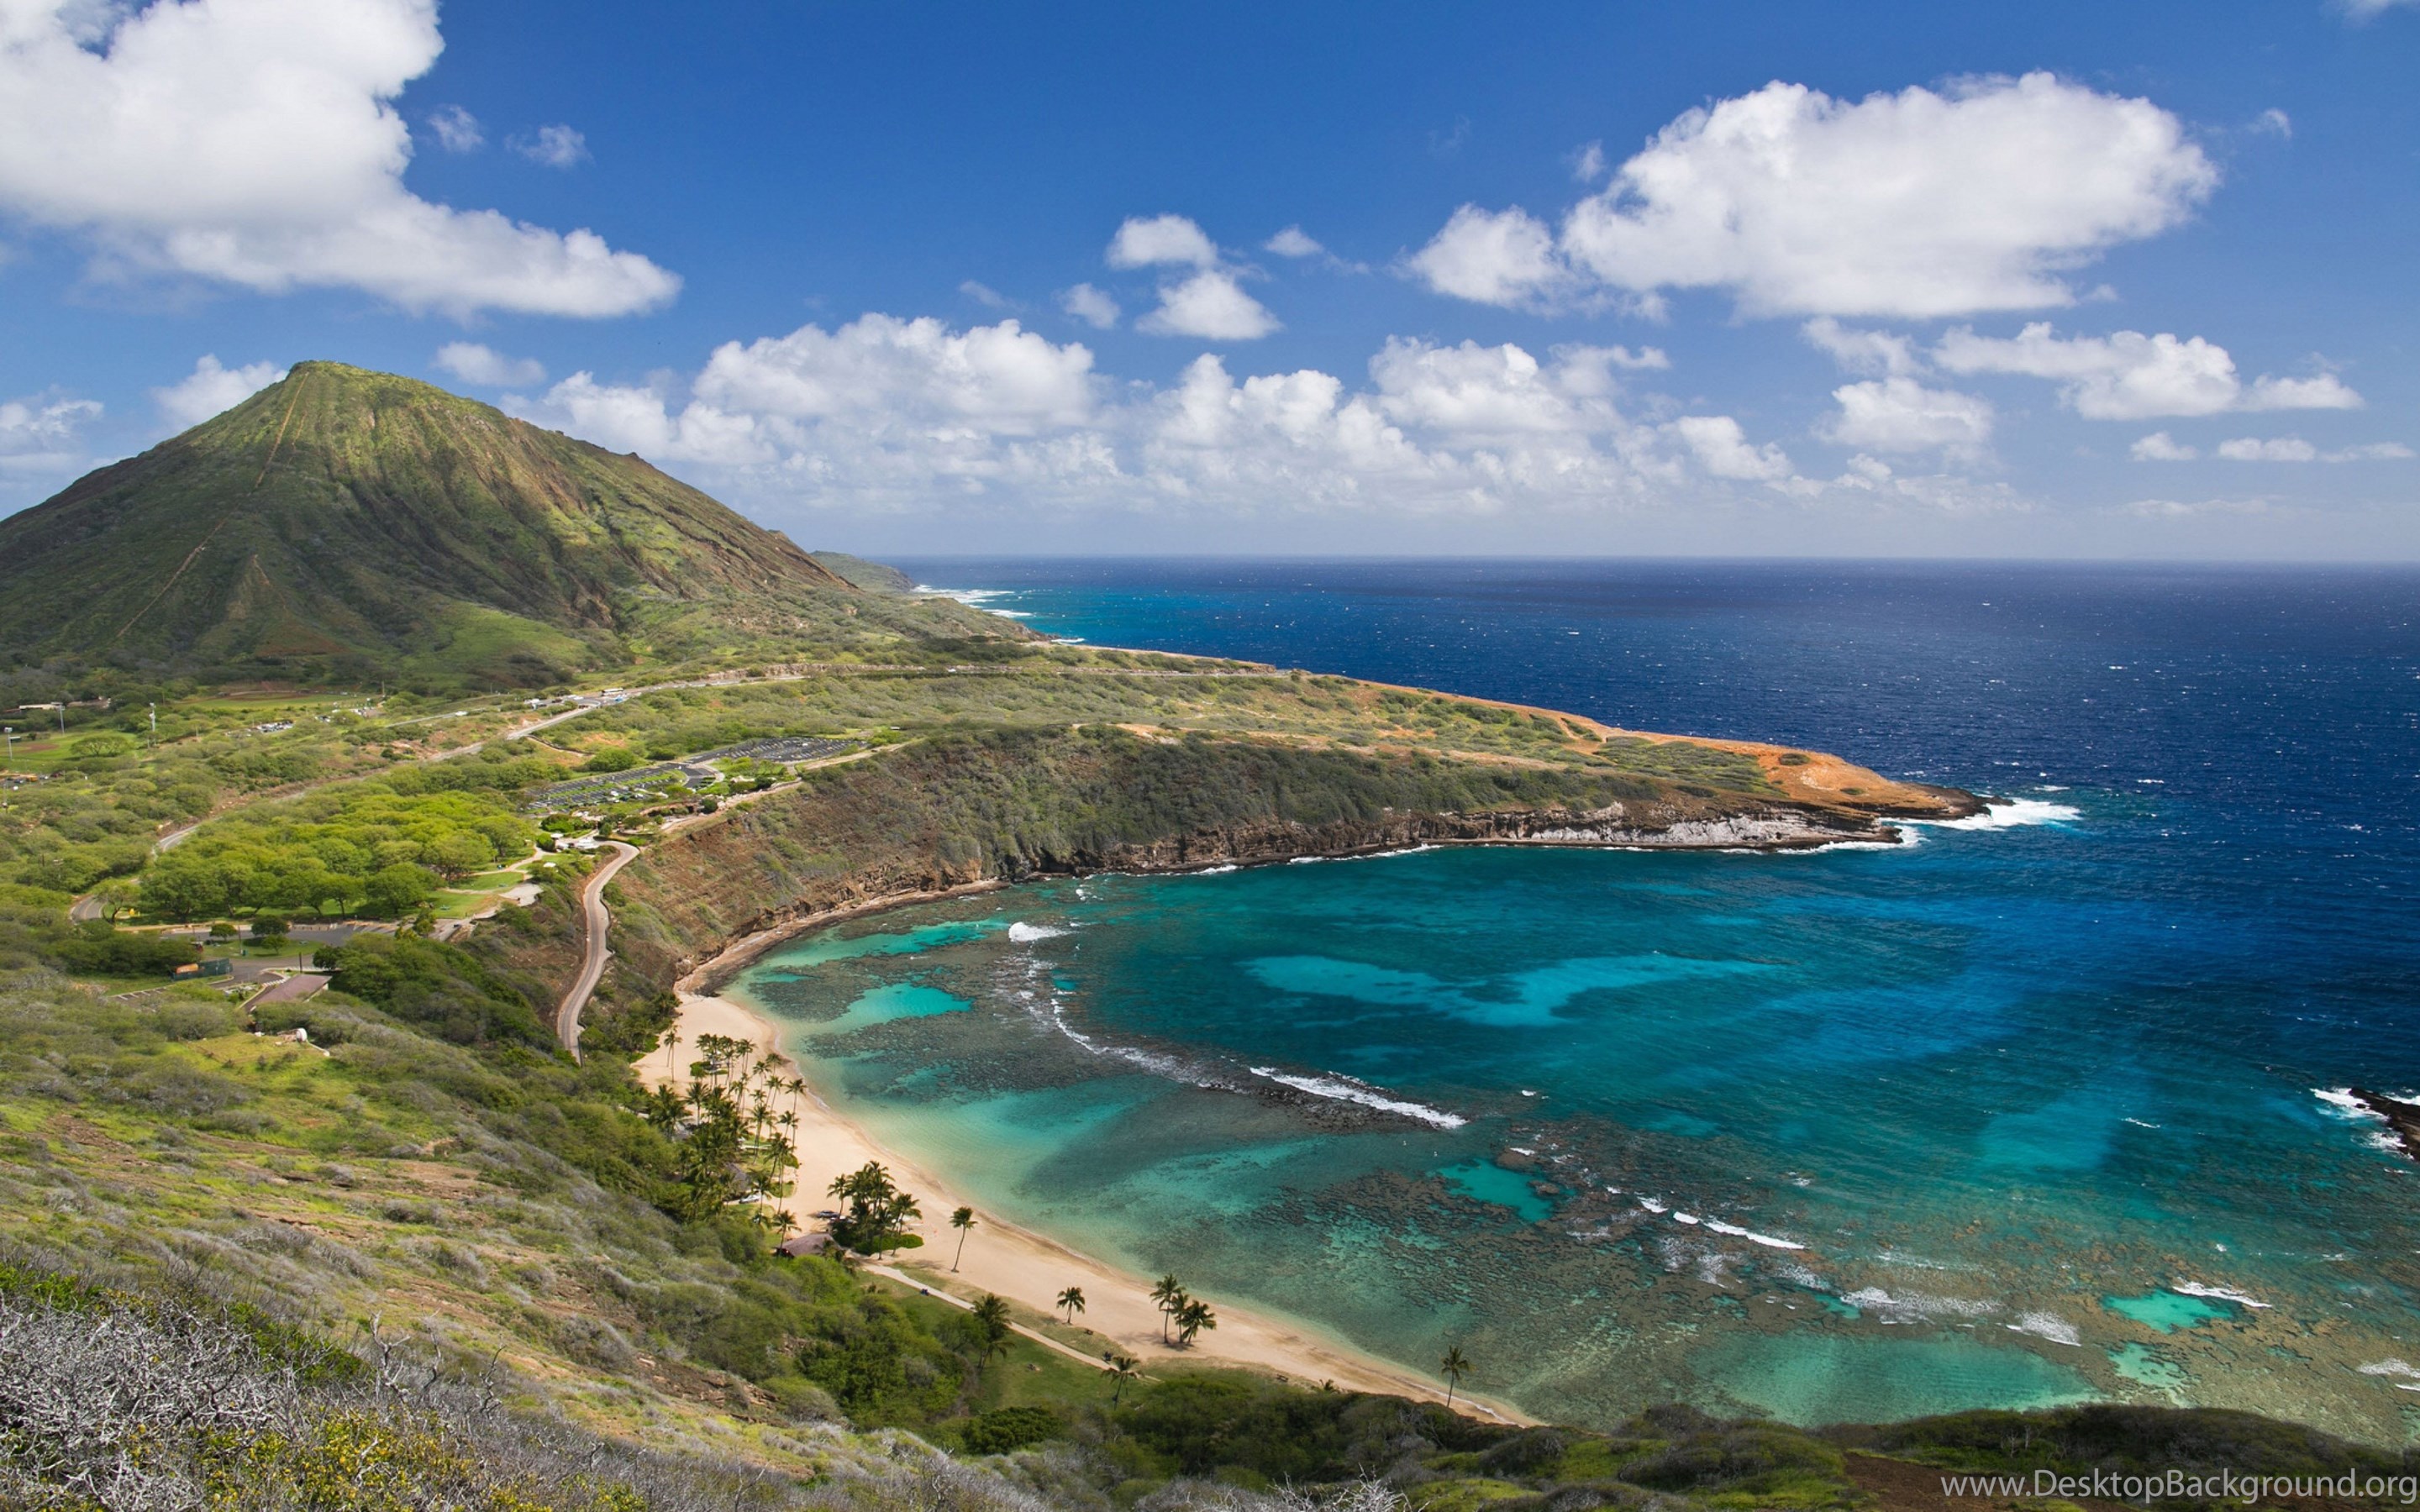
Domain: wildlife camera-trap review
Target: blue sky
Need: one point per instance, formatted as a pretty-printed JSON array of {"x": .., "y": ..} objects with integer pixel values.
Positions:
[{"x": 2042, "y": 281}]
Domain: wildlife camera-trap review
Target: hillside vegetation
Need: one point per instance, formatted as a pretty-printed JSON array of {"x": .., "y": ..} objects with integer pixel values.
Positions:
[{"x": 344, "y": 525}]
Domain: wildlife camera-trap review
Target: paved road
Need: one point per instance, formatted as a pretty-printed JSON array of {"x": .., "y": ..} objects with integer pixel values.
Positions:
[{"x": 592, "y": 902}]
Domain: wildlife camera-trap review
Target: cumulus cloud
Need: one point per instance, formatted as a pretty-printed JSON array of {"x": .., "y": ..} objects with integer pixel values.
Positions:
[
  {"x": 985, "y": 295},
  {"x": 1092, "y": 306},
  {"x": 1863, "y": 352},
  {"x": 1159, "y": 239},
  {"x": 1211, "y": 305},
  {"x": 2281, "y": 448},
  {"x": 487, "y": 367},
  {"x": 1293, "y": 242},
  {"x": 2160, "y": 446},
  {"x": 42, "y": 434},
  {"x": 210, "y": 390},
  {"x": 1983, "y": 195},
  {"x": 1722, "y": 448},
  {"x": 1503, "y": 258},
  {"x": 885, "y": 414},
  {"x": 256, "y": 143},
  {"x": 1210, "y": 302},
  {"x": 1589, "y": 162},
  {"x": 2129, "y": 375},
  {"x": 1898, "y": 414},
  {"x": 555, "y": 146},
  {"x": 456, "y": 129}
]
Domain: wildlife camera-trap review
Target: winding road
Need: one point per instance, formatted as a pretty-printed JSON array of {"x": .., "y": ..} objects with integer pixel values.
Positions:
[{"x": 594, "y": 920}]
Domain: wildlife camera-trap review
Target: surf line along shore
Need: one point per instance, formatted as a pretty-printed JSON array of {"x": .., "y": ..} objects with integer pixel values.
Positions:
[{"x": 1017, "y": 1263}]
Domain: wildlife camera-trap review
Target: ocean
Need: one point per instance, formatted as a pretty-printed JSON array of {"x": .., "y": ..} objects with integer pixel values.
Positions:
[{"x": 2044, "y": 1108}]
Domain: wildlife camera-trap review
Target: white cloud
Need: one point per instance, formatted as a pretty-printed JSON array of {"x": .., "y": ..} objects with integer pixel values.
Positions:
[
  {"x": 2275, "y": 122},
  {"x": 556, "y": 146},
  {"x": 1723, "y": 450},
  {"x": 210, "y": 390},
  {"x": 487, "y": 367},
  {"x": 1210, "y": 305},
  {"x": 2325, "y": 392},
  {"x": 1142, "y": 243},
  {"x": 257, "y": 143},
  {"x": 1209, "y": 302},
  {"x": 890, "y": 415},
  {"x": 2160, "y": 446},
  {"x": 1898, "y": 414},
  {"x": 43, "y": 433},
  {"x": 1588, "y": 164},
  {"x": 2129, "y": 375},
  {"x": 2282, "y": 448},
  {"x": 1092, "y": 306},
  {"x": 1503, "y": 258},
  {"x": 458, "y": 129},
  {"x": 1981, "y": 196},
  {"x": 1863, "y": 352},
  {"x": 1293, "y": 242},
  {"x": 2366, "y": 9},
  {"x": 985, "y": 295},
  {"x": 2295, "y": 449}
]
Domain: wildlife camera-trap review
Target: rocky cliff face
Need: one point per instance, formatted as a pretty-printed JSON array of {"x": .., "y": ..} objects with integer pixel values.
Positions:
[{"x": 922, "y": 822}]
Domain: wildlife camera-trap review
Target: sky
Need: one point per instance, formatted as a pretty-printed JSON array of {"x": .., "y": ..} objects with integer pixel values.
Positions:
[{"x": 2049, "y": 280}]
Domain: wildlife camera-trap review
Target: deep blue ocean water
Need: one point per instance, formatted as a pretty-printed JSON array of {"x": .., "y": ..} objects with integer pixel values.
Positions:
[{"x": 2028, "y": 1111}]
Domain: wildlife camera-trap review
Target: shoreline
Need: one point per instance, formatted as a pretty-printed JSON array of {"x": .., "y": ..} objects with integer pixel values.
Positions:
[{"x": 1021, "y": 1264}]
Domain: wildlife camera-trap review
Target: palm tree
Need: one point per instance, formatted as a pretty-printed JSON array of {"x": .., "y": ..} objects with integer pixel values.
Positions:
[
  {"x": 964, "y": 1222},
  {"x": 1169, "y": 1296},
  {"x": 1073, "y": 1300},
  {"x": 1191, "y": 1319},
  {"x": 1122, "y": 1369},
  {"x": 991, "y": 1313},
  {"x": 1455, "y": 1367}
]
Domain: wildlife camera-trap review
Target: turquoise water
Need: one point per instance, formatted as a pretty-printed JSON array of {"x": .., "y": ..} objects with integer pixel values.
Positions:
[{"x": 2026, "y": 1112}]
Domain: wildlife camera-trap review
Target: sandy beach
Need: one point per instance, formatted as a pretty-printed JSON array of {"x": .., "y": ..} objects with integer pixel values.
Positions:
[{"x": 1028, "y": 1267}]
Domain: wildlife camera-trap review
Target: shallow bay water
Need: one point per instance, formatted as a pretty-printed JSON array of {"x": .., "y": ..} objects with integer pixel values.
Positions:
[{"x": 2024, "y": 1112}]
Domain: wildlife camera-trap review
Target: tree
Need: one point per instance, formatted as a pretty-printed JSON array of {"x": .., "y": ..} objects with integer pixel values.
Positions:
[
  {"x": 1169, "y": 1296},
  {"x": 1192, "y": 1317},
  {"x": 878, "y": 1213},
  {"x": 393, "y": 892},
  {"x": 1073, "y": 1300},
  {"x": 964, "y": 1222},
  {"x": 1122, "y": 1369},
  {"x": 1454, "y": 1368},
  {"x": 460, "y": 853},
  {"x": 991, "y": 1316}
]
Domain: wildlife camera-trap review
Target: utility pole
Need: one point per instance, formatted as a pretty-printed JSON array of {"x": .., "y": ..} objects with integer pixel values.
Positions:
[{"x": 155, "y": 725}]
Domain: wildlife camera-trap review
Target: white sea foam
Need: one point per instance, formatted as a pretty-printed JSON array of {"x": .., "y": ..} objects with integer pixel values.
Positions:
[
  {"x": 1343, "y": 1090},
  {"x": 2342, "y": 1103},
  {"x": 2389, "y": 1368},
  {"x": 1768, "y": 1241},
  {"x": 2008, "y": 813},
  {"x": 2047, "y": 1326},
  {"x": 1215, "y": 871},
  {"x": 1916, "y": 1305},
  {"x": 1690, "y": 1218},
  {"x": 1653, "y": 1206},
  {"x": 2195, "y": 1288},
  {"x": 1025, "y": 933}
]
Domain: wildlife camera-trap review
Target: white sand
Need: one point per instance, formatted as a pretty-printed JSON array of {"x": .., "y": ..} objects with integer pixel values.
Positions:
[{"x": 1027, "y": 1267}]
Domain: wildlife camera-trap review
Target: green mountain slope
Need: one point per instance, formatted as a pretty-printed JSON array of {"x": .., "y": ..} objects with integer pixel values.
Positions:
[{"x": 344, "y": 523}]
